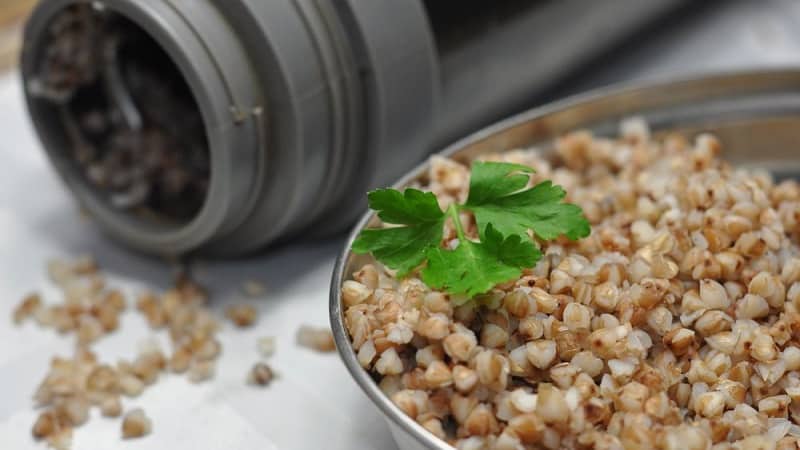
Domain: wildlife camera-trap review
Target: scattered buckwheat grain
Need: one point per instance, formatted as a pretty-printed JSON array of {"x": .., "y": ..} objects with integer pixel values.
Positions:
[
  {"x": 260, "y": 375},
  {"x": 243, "y": 315},
  {"x": 27, "y": 308},
  {"x": 201, "y": 370},
  {"x": 319, "y": 339},
  {"x": 266, "y": 346},
  {"x": 136, "y": 424}
]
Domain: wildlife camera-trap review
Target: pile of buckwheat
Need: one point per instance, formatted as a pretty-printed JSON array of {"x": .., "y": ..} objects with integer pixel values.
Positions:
[
  {"x": 91, "y": 309},
  {"x": 675, "y": 325}
]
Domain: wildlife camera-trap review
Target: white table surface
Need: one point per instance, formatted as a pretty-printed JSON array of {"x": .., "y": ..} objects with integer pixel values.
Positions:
[{"x": 314, "y": 404}]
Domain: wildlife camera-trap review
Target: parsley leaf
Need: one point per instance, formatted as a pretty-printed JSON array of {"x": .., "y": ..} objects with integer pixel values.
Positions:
[
  {"x": 475, "y": 267},
  {"x": 489, "y": 181},
  {"x": 495, "y": 197},
  {"x": 402, "y": 248},
  {"x": 504, "y": 211},
  {"x": 410, "y": 207}
]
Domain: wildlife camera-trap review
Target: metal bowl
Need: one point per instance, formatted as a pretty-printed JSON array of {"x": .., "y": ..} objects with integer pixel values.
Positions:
[{"x": 756, "y": 114}]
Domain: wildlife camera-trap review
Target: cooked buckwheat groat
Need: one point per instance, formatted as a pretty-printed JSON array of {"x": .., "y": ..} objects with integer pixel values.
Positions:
[{"x": 674, "y": 325}]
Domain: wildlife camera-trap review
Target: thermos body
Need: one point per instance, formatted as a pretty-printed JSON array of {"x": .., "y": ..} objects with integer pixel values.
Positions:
[{"x": 278, "y": 115}]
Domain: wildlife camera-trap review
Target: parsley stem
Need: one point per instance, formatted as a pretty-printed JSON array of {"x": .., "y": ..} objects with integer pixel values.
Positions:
[{"x": 452, "y": 211}]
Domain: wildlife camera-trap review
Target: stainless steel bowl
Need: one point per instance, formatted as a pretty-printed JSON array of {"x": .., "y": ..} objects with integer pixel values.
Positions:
[{"x": 756, "y": 115}]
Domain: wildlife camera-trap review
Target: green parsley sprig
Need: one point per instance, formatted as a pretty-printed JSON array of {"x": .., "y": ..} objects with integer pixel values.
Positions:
[{"x": 504, "y": 212}]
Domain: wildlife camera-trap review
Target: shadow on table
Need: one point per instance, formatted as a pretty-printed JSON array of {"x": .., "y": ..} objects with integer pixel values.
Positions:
[{"x": 276, "y": 268}]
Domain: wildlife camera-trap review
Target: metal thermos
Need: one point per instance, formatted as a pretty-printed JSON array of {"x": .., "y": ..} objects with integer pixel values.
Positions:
[{"x": 303, "y": 105}]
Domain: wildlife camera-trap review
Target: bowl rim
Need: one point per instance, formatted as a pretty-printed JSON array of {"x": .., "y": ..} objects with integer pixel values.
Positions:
[{"x": 340, "y": 334}]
